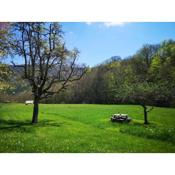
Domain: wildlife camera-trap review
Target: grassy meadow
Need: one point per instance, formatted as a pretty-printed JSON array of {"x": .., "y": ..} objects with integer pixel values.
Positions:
[{"x": 79, "y": 128}]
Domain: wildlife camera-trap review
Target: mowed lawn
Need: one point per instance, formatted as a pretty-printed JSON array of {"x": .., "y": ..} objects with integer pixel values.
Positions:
[{"x": 73, "y": 128}]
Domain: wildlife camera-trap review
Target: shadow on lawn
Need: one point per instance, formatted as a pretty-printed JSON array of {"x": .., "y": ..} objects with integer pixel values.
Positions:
[{"x": 25, "y": 126}]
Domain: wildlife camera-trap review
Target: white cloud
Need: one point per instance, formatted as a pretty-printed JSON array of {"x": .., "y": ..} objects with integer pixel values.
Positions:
[
  {"x": 106, "y": 24},
  {"x": 113, "y": 24},
  {"x": 88, "y": 23}
]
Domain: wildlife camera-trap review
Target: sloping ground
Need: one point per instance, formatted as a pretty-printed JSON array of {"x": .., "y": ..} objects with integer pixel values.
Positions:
[{"x": 85, "y": 128}]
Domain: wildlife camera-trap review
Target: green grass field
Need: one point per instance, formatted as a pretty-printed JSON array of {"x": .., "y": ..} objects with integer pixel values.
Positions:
[{"x": 85, "y": 128}]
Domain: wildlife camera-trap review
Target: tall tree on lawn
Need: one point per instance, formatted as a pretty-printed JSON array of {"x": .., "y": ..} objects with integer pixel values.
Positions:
[{"x": 47, "y": 64}]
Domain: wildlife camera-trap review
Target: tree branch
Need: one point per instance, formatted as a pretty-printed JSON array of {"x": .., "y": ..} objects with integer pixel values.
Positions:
[{"x": 150, "y": 109}]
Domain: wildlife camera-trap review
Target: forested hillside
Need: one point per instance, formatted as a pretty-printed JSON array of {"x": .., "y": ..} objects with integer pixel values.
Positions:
[
  {"x": 148, "y": 74},
  {"x": 152, "y": 67}
]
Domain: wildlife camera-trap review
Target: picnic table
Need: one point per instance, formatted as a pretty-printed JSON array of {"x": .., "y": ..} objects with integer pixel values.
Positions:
[{"x": 120, "y": 118}]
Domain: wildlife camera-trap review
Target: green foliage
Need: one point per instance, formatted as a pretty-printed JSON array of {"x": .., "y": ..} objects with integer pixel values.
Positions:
[
  {"x": 4, "y": 69},
  {"x": 4, "y": 36},
  {"x": 5, "y": 73},
  {"x": 146, "y": 77},
  {"x": 139, "y": 93}
]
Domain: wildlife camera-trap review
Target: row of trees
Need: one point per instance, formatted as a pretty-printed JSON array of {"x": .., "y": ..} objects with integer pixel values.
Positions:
[{"x": 152, "y": 68}]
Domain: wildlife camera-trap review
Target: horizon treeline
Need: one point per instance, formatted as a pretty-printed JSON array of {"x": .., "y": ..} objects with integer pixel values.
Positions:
[{"x": 106, "y": 82}]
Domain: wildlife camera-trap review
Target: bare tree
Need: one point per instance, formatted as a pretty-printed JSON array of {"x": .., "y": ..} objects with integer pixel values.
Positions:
[{"x": 46, "y": 60}]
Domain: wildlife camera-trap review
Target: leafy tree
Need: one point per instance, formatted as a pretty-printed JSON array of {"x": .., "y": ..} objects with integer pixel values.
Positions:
[
  {"x": 4, "y": 69},
  {"x": 4, "y": 77},
  {"x": 142, "y": 94},
  {"x": 147, "y": 52},
  {"x": 147, "y": 84},
  {"x": 162, "y": 72},
  {"x": 47, "y": 64},
  {"x": 4, "y": 34}
]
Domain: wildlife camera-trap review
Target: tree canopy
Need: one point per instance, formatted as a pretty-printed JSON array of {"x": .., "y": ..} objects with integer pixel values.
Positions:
[{"x": 4, "y": 69}]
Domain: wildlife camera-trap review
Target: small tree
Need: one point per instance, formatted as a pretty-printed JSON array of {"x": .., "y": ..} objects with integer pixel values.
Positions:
[
  {"x": 47, "y": 64},
  {"x": 142, "y": 94}
]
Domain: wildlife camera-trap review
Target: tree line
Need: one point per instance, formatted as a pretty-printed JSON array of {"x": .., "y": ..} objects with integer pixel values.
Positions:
[
  {"x": 153, "y": 67},
  {"x": 147, "y": 76}
]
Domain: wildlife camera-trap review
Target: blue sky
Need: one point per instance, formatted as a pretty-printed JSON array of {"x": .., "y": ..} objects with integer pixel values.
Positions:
[{"x": 99, "y": 41}]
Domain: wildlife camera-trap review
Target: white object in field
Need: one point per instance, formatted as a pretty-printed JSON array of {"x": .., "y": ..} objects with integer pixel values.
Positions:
[
  {"x": 124, "y": 115},
  {"x": 120, "y": 115},
  {"x": 28, "y": 102}
]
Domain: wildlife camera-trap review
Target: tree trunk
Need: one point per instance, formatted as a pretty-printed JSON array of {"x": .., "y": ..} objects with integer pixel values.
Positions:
[
  {"x": 145, "y": 114},
  {"x": 35, "y": 112}
]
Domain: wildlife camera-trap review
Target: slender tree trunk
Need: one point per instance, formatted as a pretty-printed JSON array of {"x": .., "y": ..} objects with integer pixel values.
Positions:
[
  {"x": 145, "y": 114},
  {"x": 35, "y": 111}
]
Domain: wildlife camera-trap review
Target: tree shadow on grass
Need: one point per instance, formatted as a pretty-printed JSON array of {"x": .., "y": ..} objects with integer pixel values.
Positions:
[{"x": 26, "y": 125}]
